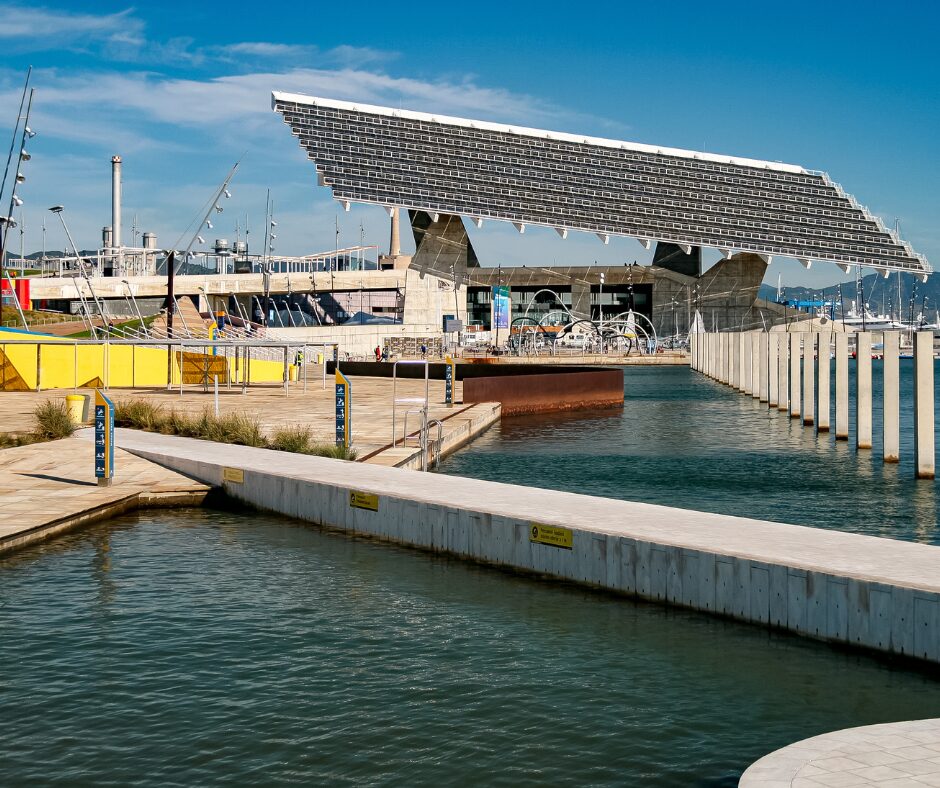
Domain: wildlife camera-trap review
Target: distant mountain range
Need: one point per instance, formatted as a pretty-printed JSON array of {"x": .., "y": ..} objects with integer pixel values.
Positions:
[{"x": 881, "y": 294}]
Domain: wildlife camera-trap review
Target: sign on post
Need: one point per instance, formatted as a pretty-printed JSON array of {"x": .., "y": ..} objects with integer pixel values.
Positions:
[
  {"x": 449, "y": 377},
  {"x": 343, "y": 412},
  {"x": 104, "y": 439}
]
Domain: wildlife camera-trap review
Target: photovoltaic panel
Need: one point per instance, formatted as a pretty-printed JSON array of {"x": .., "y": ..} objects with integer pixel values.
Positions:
[{"x": 438, "y": 164}]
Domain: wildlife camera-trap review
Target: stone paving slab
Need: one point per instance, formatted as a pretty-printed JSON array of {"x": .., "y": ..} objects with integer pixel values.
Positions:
[
  {"x": 315, "y": 408},
  {"x": 48, "y": 487},
  {"x": 893, "y": 755}
]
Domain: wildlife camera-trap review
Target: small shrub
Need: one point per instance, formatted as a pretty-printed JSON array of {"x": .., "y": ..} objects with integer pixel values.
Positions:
[
  {"x": 241, "y": 429},
  {"x": 53, "y": 420},
  {"x": 295, "y": 439},
  {"x": 177, "y": 423},
  {"x": 9, "y": 440},
  {"x": 332, "y": 451},
  {"x": 138, "y": 414}
]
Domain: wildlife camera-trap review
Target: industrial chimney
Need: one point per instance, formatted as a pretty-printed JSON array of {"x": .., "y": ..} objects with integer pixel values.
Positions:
[
  {"x": 394, "y": 246},
  {"x": 116, "y": 201}
]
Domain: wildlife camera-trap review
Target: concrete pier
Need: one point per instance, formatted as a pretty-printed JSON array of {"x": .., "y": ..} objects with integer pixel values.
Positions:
[
  {"x": 891, "y": 755},
  {"x": 773, "y": 369},
  {"x": 873, "y": 593},
  {"x": 783, "y": 365},
  {"x": 795, "y": 350},
  {"x": 824, "y": 396},
  {"x": 809, "y": 383},
  {"x": 842, "y": 387},
  {"x": 863, "y": 431},
  {"x": 891, "y": 393},
  {"x": 924, "y": 450}
]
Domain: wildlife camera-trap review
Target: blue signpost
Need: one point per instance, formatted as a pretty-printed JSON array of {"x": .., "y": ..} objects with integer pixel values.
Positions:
[
  {"x": 449, "y": 374},
  {"x": 104, "y": 439},
  {"x": 343, "y": 410}
]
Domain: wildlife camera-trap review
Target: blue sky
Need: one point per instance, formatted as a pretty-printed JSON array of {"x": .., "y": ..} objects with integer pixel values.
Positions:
[{"x": 182, "y": 90}]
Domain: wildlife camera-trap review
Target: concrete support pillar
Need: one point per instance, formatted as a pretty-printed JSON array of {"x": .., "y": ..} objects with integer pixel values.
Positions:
[
  {"x": 763, "y": 340},
  {"x": 747, "y": 361},
  {"x": 808, "y": 411},
  {"x": 863, "y": 390},
  {"x": 796, "y": 340},
  {"x": 783, "y": 365},
  {"x": 924, "y": 451},
  {"x": 773, "y": 368},
  {"x": 729, "y": 344},
  {"x": 756, "y": 344},
  {"x": 745, "y": 372},
  {"x": 842, "y": 387},
  {"x": 891, "y": 393},
  {"x": 725, "y": 362},
  {"x": 734, "y": 350},
  {"x": 823, "y": 397}
]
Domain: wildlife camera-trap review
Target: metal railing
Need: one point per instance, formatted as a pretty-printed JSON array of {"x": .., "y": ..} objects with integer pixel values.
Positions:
[{"x": 237, "y": 371}]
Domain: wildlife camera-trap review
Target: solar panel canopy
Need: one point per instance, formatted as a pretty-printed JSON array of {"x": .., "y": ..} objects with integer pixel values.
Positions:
[{"x": 482, "y": 170}]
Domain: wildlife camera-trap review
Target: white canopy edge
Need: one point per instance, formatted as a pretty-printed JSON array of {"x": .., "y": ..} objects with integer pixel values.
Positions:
[{"x": 558, "y": 136}]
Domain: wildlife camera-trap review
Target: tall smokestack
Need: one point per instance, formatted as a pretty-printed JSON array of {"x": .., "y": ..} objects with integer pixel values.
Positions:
[
  {"x": 116, "y": 201},
  {"x": 394, "y": 244}
]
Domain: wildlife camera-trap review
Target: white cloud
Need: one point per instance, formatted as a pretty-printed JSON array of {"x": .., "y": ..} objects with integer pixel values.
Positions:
[{"x": 35, "y": 27}]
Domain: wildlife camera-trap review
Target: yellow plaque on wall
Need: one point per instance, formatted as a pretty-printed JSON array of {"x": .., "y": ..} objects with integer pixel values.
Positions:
[
  {"x": 361, "y": 500},
  {"x": 554, "y": 535},
  {"x": 235, "y": 475}
]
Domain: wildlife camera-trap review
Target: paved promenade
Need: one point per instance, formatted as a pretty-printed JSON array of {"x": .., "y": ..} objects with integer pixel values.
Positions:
[
  {"x": 315, "y": 408},
  {"x": 48, "y": 488},
  {"x": 895, "y": 755}
]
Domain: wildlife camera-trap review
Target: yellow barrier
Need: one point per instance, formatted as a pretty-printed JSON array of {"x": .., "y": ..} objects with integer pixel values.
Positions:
[{"x": 56, "y": 363}]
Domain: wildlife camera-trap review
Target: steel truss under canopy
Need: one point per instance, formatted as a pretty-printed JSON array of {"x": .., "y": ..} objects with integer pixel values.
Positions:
[{"x": 481, "y": 170}]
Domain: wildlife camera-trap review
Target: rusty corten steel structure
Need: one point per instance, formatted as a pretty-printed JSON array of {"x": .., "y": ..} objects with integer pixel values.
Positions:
[{"x": 547, "y": 392}]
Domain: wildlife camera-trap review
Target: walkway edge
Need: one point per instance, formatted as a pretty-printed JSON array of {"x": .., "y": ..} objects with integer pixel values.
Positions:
[{"x": 72, "y": 522}]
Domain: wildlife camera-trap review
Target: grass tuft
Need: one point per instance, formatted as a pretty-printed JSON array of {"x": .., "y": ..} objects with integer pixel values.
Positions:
[
  {"x": 238, "y": 428},
  {"x": 53, "y": 420}
]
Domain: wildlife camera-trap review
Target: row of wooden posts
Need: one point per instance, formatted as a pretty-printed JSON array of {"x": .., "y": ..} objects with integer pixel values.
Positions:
[{"x": 790, "y": 371}]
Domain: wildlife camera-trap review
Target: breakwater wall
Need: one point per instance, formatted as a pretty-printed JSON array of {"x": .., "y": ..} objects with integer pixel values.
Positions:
[{"x": 878, "y": 594}]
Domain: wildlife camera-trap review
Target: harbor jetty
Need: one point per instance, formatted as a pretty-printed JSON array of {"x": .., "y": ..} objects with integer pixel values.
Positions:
[{"x": 878, "y": 594}]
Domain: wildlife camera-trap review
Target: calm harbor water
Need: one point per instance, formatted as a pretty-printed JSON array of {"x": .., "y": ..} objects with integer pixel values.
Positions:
[
  {"x": 207, "y": 648},
  {"x": 684, "y": 440}
]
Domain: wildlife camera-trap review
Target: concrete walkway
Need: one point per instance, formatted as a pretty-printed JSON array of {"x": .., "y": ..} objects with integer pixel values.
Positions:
[
  {"x": 880, "y": 594},
  {"x": 895, "y": 755},
  {"x": 48, "y": 488}
]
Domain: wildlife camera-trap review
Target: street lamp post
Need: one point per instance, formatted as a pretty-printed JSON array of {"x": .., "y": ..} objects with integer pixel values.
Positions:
[{"x": 57, "y": 210}]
